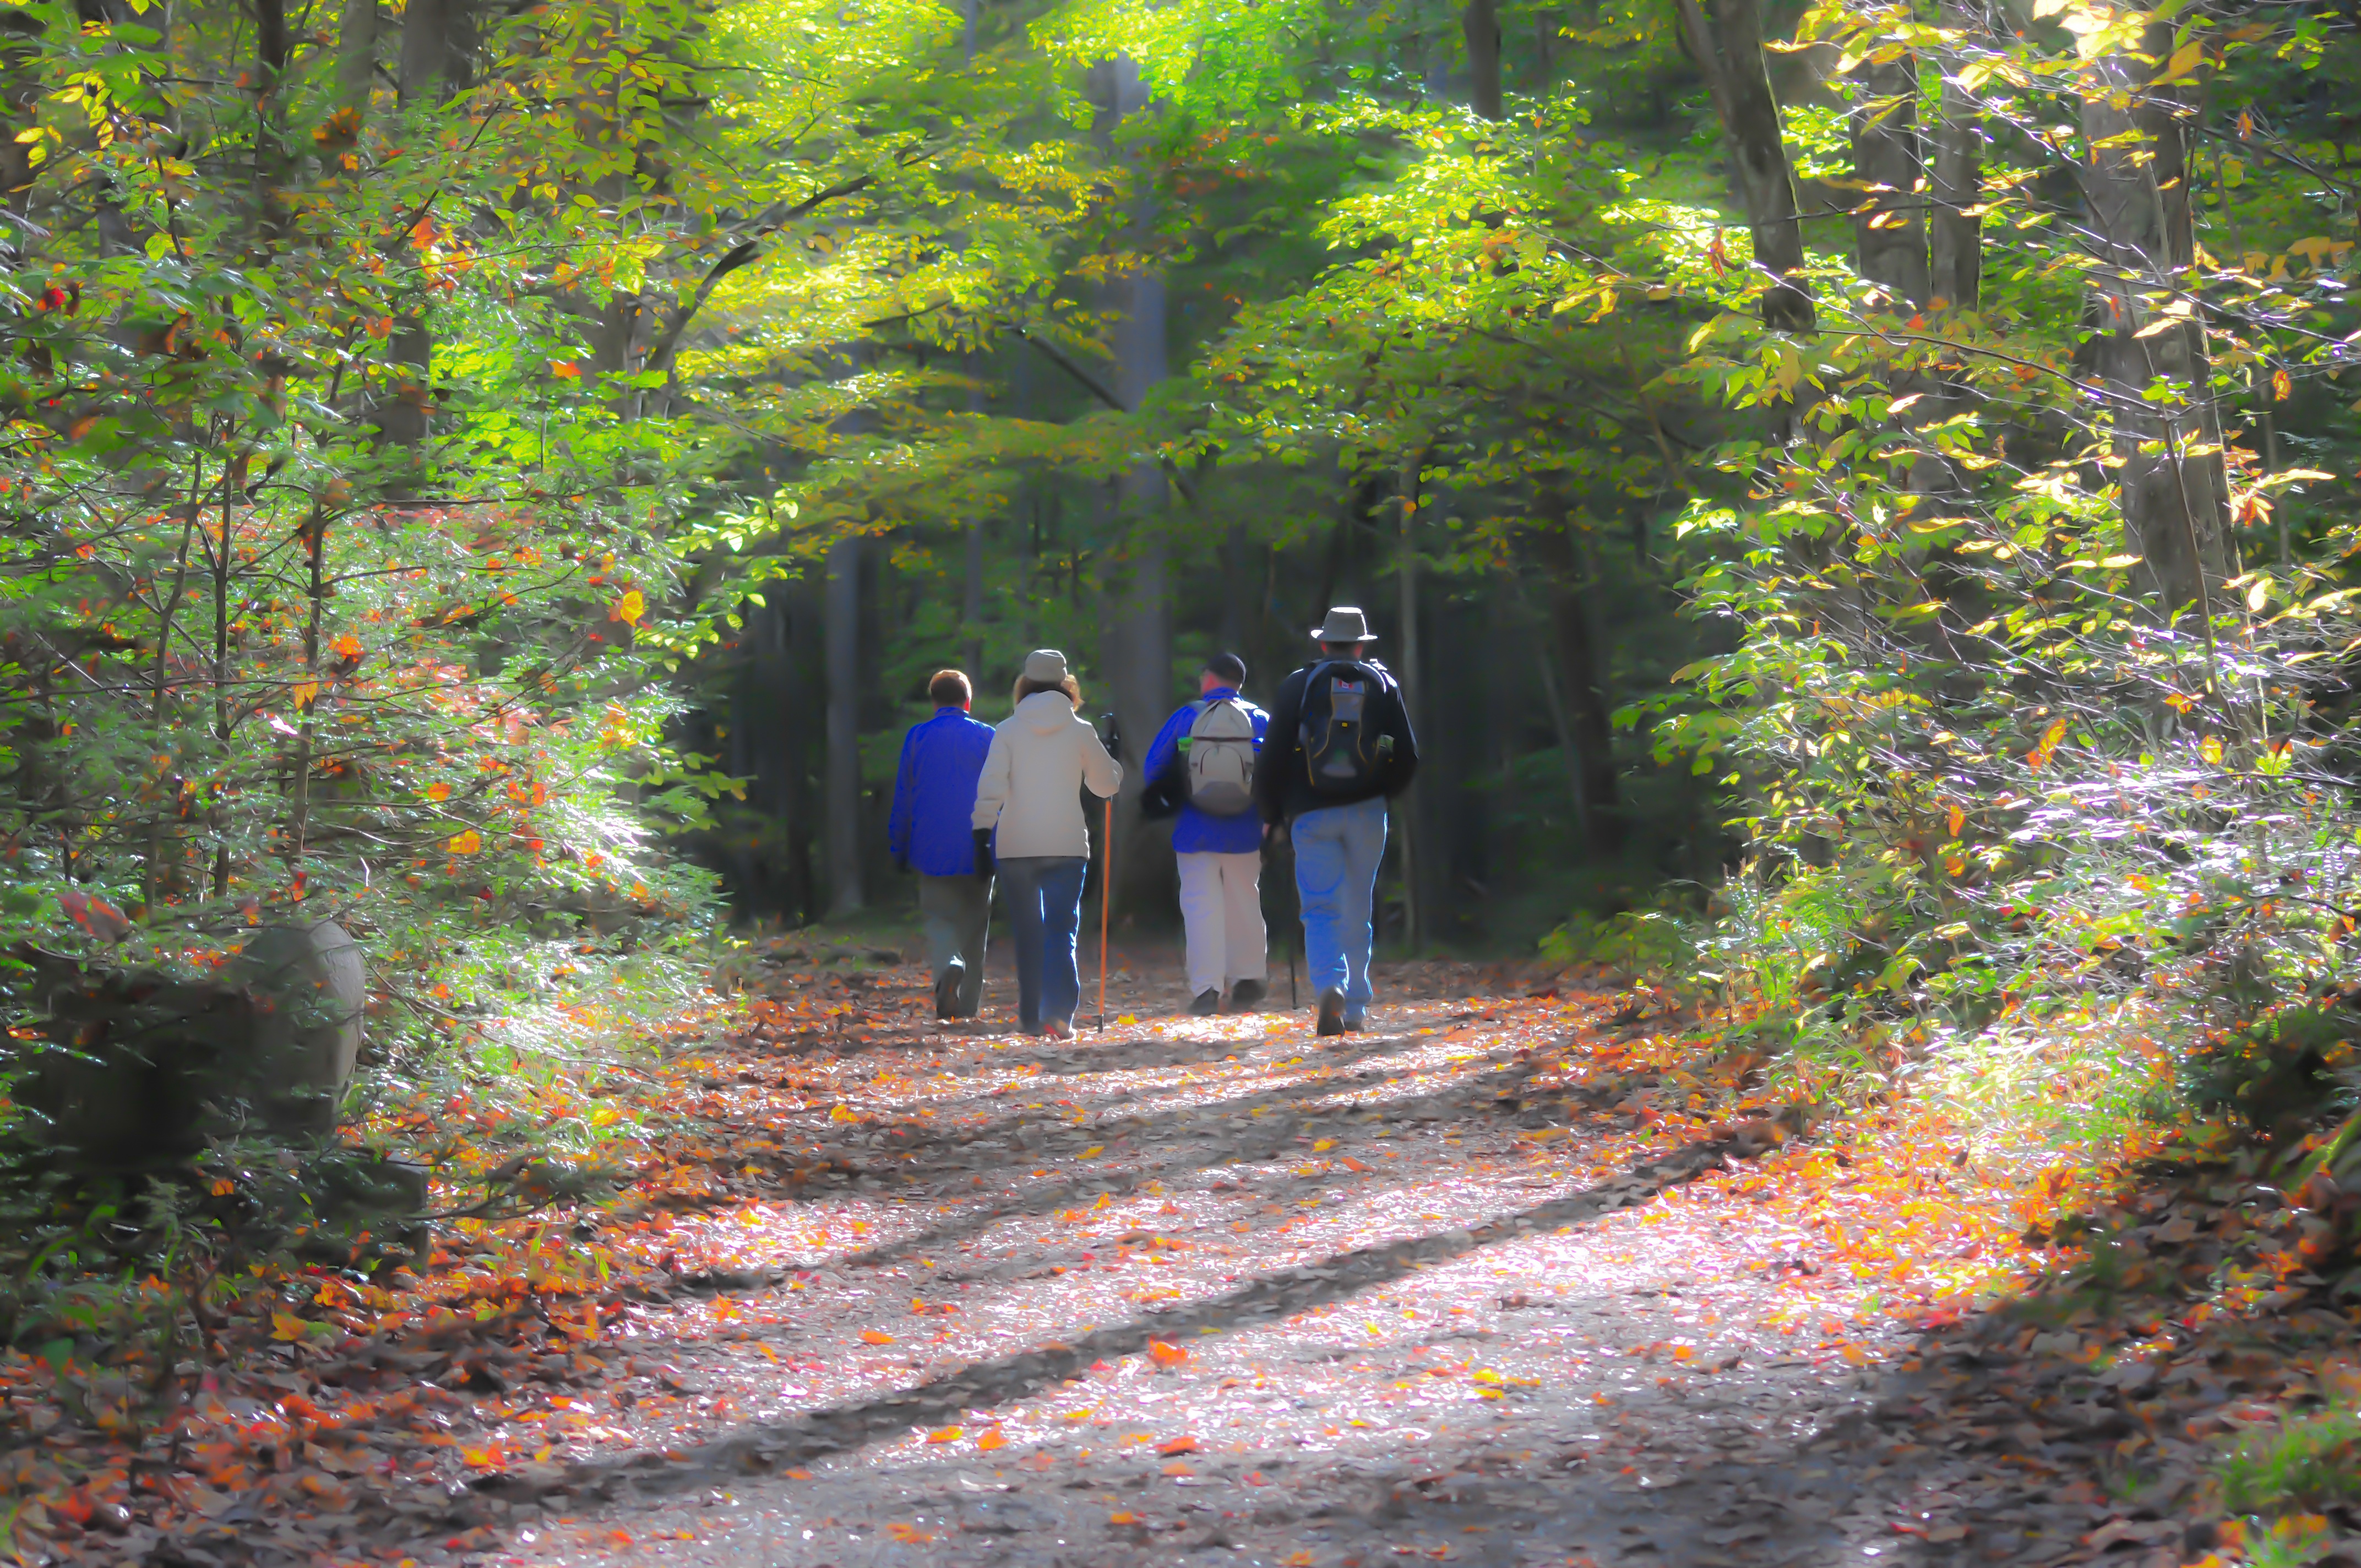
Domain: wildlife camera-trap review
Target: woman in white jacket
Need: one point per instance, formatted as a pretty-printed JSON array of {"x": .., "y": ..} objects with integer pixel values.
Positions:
[{"x": 1041, "y": 756}]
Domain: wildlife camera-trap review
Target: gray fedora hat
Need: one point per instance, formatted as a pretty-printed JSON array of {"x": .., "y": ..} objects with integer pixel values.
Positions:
[{"x": 1345, "y": 623}]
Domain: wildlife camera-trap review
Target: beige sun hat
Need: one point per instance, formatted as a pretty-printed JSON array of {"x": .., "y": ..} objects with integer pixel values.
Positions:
[
  {"x": 1345, "y": 623},
  {"x": 1045, "y": 665}
]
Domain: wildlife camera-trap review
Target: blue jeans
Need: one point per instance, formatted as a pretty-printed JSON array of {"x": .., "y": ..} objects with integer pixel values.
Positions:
[
  {"x": 1337, "y": 854},
  {"x": 1045, "y": 905}
]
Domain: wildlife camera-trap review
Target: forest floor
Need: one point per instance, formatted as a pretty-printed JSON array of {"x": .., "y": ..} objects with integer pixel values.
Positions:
[{"x": 1506, "y": 1279}]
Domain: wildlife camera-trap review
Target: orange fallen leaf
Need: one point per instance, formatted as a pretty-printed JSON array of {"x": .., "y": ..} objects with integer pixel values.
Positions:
[
  {"x": 1351, "y": 1164},
  {"x": 1179, "y": 1467},
  {"x": 1300, "y": 1559},
  {"x": 991, "y": 1439},
  {"x": 1123, "y": 1518},
  {"x": 1178, "y": 1445},
  {"x": 871, "y": 1337},
  {"x": 1166, "y": 1354},
  {"x": 797, "y": 1474},
  {"x": 946, "y": 1434}
]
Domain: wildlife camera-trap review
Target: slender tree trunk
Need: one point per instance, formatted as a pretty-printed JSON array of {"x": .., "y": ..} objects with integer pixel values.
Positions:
[
  {"x": 1589, "y": 710},
  {"x": 2136, "y": 185},
  {"x": 1481, "y": 22},
  {"x": 1954, "y": 187},
  {"x": 1405, "y": 811},
  {"x": 1889, "y": 225},
  {"x": 1136, "y": 630},
  {"x": 843, "y": 634},
  {"x": 433, "y": 65},
  {"x": 1729, "y": 49}
]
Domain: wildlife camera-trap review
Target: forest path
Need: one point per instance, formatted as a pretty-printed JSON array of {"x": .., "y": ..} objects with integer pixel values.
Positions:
[{"x": 1216, "y": 1290}]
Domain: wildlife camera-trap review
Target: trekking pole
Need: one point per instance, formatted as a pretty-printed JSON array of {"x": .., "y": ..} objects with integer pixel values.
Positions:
[
  {"x": 1106, "y": 878},
  {"x": 1106, "y": 895}
]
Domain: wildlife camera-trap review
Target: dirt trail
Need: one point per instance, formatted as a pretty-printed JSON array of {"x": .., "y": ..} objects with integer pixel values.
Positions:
[{"x": 1216, "y": 1290}]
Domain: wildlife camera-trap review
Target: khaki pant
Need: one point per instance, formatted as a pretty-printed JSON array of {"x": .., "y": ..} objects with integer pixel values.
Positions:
[
  {"x": 958, "y": 915},
  {"x": 1221, "y": 908}
]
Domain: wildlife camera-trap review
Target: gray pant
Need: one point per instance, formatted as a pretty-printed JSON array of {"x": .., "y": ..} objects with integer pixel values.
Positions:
[{"x": 958, "y": 911}]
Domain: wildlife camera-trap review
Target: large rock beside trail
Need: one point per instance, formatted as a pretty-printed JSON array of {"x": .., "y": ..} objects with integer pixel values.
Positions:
[{"x": 142, "y": 1069}]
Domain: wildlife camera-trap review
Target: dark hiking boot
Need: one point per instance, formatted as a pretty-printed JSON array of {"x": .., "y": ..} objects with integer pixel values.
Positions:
[
  {"x": 1246, "y": 995},
  {"x": 947, "y": 991},
  {"x": 1355, "y": 1022},
  {"x": 1208, "y": 1002},
  {"x": 1332, "y": 1013}
]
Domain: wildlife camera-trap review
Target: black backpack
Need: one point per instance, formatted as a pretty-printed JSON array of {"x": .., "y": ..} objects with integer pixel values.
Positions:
[{"x": 1345, "y": 704}]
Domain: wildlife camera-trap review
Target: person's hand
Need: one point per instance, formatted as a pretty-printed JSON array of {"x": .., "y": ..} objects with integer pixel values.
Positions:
[
  {"x": 1274, "y": 834},
  {"x": 902, "y": 864},
  {"x": 983, "y": 865}
]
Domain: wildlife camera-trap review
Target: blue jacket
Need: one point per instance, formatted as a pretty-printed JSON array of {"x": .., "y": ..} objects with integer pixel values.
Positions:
[
  {"x": 934, "y": 794},
  {"x": 1193, "y": 832}
]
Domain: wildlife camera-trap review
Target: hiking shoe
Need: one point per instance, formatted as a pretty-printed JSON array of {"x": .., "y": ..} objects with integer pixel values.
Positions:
[
  {"x": 1057, "y": 1029},
  {"x": 1355, "y": 1022},
  {"x": 1245, "y": 994},
  {"x": 947, "y": 991},
  {"x": 1208, "y": 1002},
  {"x": 1332, "y": 1013}
]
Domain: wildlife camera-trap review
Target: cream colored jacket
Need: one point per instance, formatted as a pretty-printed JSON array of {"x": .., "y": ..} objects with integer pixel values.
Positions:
[{"x": 1031, "y": 789}]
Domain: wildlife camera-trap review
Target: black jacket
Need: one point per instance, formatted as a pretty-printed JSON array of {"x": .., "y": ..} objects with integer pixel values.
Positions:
[{"x": 1282, "y": 781}]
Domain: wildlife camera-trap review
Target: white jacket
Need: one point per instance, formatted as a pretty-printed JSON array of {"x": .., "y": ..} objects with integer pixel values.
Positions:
[{"x": 1031, "y": 788}]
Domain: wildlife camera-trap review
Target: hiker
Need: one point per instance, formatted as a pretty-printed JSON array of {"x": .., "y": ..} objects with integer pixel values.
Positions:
[
  {"x": 1203, "y": 762},
  {"x": 1340, "y": 744},
  {"x": 1031, "y": 793},
  {"x": 934, "y": 796}
]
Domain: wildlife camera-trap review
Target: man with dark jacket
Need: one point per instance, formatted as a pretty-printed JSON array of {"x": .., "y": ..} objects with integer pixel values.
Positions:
[
  {"x": 934, "y": 796},
  {"x": 1339, "y": 744}
]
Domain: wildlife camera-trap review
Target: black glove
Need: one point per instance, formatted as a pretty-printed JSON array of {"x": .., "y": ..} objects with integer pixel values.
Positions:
[
  {"x": 902, "y": 864},
  {"x": 983, "y": 863}
]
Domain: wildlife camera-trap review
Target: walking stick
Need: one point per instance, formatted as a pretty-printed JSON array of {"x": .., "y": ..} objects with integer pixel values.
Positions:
[
  {"x": 1106, "y": 877},
  {"x": 1106, "y": 894}
]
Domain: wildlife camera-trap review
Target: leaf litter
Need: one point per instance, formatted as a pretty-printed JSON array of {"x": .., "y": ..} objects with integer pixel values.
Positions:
[{"x": 1510, "y": 1278}]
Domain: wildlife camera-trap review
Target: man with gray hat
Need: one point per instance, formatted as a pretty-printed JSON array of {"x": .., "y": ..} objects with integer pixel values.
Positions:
[{"x": 1339, "y": 743}]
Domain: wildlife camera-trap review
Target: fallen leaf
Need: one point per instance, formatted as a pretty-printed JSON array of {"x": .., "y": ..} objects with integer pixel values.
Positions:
[
  {"x": 1166, "y": 1354},
  {"x": 946, "y": 1434},
  {"x": 1176, "y": 1445},
  {"x": 871, "y": 1337}
]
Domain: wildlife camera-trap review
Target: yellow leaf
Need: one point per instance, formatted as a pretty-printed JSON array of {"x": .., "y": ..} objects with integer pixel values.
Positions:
[
  {"x": 871, "y": 1337},
  {"x": 1323, "y": 1145},
  {"x": 1095, "y": 1151},
  {"x": 306, "y": 694},
  {"x": 466, "y": 843},
  {"x": 2185, "y": 59},
  {"x": 844, "y": 1114},
  {"x": 1959, "y": 820},
  {"x": 630, "y": 607},
  {"x": 946, "y": 1434},
  {"x": 288, "y": 1328},
  {"x": 2282, "y": 387},
  {"x": 2039, "y": 755},
  {"x": 2258, "y": 595},
  {"x": 1126, "y": 1018},
  {"x": 2211, "y": 749},
  {"x": 1123, "y": 1518}
]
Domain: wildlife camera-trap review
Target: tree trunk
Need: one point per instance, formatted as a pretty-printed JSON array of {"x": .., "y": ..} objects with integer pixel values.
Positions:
[
  {"x": 2175, "y": 505},
  {"x": 1888, "y": 162},
  {"x": 1481, "y": 22},
  {"x": 1405, "y": 810},
  {"x": 1137, "y": 618},
  {"x": 1728, "y": 50},
  {"x": 843, "y": 636},
  {"x": 435, "y": 35},
  {"x": 1589, "y": 710},
  {"x": 1955, "y": 185}
]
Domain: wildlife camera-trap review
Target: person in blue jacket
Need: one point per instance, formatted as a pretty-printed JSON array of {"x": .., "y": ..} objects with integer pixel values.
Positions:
[
  {"x": 934, "y": 794},
  {"x": 1219, "y": 850}
]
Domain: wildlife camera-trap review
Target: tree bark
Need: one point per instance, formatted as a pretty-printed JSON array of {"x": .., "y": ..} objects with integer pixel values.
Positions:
[
  {"x": 433, "y": 65},
  {"x": 1481, "y": 22},
  {"x": 1590, "y": 711},
  {"x": 1888, "y": 162},
  {"x": 1729, "y": 49},
  {"x": 1954, "y": 187},
  {"x": 2175, "y": 507},
  {"x": 845, "y": 893},
  {"x": 1136, "y": 617},
  {"x": 1405, "y": 810}
]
